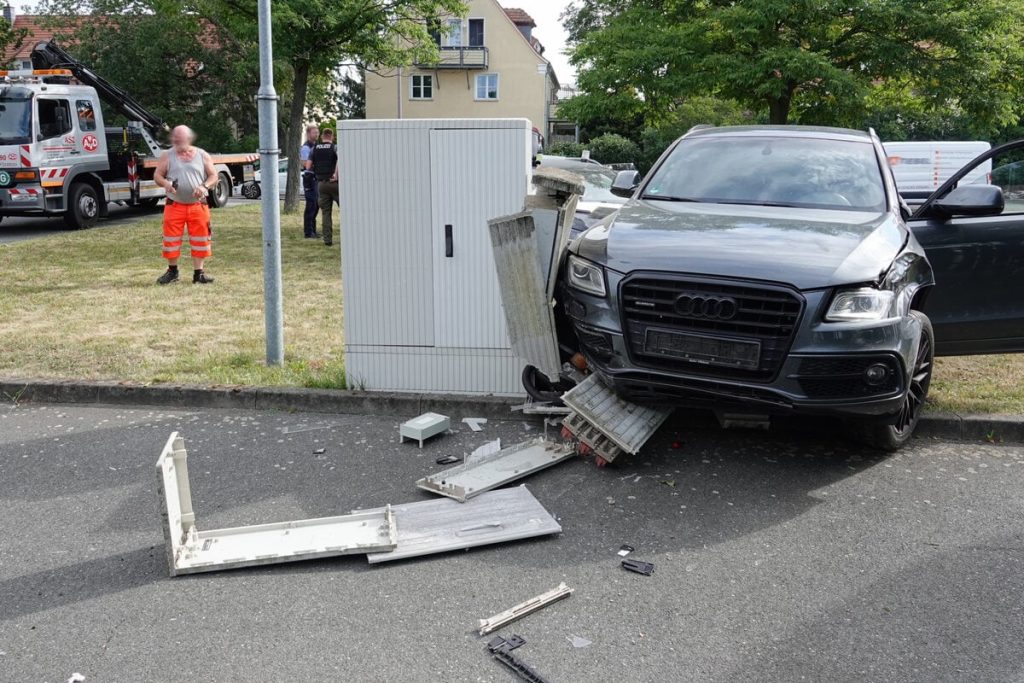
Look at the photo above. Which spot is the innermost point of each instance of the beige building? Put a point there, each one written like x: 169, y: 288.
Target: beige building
x: 491, y: 66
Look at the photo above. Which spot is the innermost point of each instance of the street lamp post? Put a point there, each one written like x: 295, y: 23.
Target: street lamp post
x: 269, y: 153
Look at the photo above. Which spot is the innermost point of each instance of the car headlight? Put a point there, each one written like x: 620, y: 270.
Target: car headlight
x: 586, y: 276
x: 861, y: 304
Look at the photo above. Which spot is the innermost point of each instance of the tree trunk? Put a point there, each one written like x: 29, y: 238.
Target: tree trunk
x: 294, y: 138
x: 779, y: 110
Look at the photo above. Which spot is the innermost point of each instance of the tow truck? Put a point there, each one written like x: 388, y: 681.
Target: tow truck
x: 58, y: 159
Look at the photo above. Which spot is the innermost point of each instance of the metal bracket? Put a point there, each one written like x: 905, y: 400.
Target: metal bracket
x: 522, y: 609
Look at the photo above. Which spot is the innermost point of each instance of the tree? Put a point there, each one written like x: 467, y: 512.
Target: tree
x: 181, y: 68
x: 817, y: 59
x: 11, y: 39
x: 313, y: 38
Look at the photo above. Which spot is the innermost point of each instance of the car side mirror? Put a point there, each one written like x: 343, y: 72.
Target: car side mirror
x: 625, y: 183
x: 971, y: 200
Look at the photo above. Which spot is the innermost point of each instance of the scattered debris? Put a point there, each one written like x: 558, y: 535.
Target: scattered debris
x: 320, y: 451
x: 190, y: 550
x: 671, y: 483
x: 532, y: 407
x: 626, y: 425
x: 522, y: 609
x: 423, y: 427
x: 501, y: 650
x: 486, y: 472
x: 487, y: 449
x: 578, y: 642
x: 76, y: 678
x: 442, y: 525
x: 645, y: 568
x: 676, y: 445
x: 625, y: 550
x: 475, y: 423
x: 448, y: 460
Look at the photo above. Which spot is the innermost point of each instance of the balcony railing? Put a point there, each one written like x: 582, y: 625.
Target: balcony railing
x: 459, y: 57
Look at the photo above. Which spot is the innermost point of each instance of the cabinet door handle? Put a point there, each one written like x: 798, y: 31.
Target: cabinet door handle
x: 449, y: 248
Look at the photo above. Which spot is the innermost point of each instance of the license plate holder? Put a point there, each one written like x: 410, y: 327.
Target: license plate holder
x: 707, y: 350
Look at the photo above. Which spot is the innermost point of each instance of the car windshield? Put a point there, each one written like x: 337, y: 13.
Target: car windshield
x: 772, y: 171
x: 597, y: 186
x: 15, y: 117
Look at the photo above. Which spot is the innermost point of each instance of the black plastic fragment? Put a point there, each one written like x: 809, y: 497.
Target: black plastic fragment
x: 448, y: 460
x: 645, y: 568
x: 501, y: 649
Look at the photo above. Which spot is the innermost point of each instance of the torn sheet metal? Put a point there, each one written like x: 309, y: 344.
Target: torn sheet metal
x: 443, y: 525
x: 528, y: 314
x: 626, y: 424
x: 486, y: 472
x: 522, y: 609
x: 532, y: 407
x: 475, y: 424
x: 190, y: 550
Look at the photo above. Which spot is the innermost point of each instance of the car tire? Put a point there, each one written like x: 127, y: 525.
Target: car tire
x: 220, y: 194
x: 83, y: 209
x: 251, y: 190
x: 892, y: 437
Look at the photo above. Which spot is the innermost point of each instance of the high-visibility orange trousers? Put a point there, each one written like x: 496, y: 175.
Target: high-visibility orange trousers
x: 195, y: 218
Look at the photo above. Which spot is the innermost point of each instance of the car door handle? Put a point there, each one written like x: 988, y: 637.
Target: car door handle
x: 449, y: 247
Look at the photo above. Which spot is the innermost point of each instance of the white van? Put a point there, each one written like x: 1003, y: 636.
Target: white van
x: 921, y: 167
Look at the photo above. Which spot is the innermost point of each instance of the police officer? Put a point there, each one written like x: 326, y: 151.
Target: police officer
x: 324, y: 164
x: 309, y: 183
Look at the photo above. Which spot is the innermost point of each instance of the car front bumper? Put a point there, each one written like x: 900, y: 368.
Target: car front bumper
x: 823, y: 370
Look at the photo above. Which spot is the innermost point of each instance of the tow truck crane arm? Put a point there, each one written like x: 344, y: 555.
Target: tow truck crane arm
x: 49, y: 55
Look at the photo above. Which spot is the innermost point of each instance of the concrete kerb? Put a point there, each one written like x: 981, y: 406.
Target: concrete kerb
x: 1007, y: 429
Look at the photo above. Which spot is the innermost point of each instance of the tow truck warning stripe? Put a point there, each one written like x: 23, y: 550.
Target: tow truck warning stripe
x: 25, y: 153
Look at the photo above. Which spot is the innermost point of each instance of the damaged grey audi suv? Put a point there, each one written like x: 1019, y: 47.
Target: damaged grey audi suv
x: 776, y: 270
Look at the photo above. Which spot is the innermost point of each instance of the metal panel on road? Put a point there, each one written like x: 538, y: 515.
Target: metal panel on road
x: 437, y: 526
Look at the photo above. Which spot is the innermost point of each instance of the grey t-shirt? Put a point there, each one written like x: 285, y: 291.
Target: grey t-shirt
x: 188, y: 174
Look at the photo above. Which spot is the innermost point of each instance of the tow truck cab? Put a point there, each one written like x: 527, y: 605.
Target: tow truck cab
x: 53, y: 147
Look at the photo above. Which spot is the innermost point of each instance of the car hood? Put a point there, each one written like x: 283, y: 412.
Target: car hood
x: 806, y: 248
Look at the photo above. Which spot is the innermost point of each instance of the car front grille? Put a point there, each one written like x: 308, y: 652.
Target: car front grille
x: 683, y: 324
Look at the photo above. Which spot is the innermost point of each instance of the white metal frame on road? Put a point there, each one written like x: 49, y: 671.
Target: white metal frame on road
x: 190, y: 550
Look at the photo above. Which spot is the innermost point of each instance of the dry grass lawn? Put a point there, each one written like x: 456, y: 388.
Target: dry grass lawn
x: 85, y: 305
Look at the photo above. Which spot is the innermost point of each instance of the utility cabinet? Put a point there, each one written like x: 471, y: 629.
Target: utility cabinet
x: 422, y: 304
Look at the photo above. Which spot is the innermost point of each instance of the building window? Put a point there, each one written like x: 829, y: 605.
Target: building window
x: 476, y: 32
x: 422, y: 87
x: 487, y: 87
x: 26, y: 64
x: 454, y: 37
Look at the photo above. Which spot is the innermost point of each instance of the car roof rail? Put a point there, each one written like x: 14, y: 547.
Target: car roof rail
x: 700, y: 126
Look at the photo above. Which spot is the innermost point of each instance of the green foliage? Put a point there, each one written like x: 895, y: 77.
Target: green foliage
x: 352, y: 99
x: 180, y: 68
x: 11, y: 39
x: 613, y: 149
x: 815, y: 61
x: 695, y: 111
x: 566, y: 149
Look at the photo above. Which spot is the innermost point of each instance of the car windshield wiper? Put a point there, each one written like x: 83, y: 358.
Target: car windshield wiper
x: 669, y: 198
x: 742, y: 202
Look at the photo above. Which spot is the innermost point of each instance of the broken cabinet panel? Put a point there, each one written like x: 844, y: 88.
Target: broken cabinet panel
x: 443, y: 525
x: 626, y: 424
x: 486, y: 472
x: 190, y: 550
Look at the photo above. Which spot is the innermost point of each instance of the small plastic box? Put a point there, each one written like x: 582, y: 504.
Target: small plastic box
x: 423, y: 427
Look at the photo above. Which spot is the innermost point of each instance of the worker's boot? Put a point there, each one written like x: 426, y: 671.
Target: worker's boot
x: 200, y: 277
x: 169, y: 276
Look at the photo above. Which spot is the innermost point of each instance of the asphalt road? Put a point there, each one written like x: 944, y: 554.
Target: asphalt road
x: 779, y: 557
x: 14, y: 229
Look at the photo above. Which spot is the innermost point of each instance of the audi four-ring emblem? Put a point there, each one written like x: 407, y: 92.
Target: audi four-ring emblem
x: 706, y: 306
